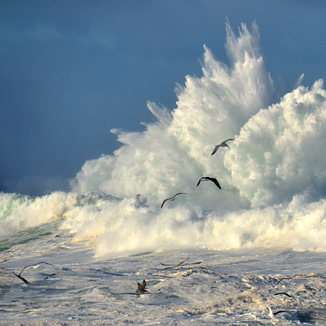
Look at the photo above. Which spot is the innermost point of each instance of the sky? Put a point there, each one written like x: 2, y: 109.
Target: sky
x: 73, y: 70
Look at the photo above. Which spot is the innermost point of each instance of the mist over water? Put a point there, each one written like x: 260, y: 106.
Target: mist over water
x: 272, y: 176
x: 174, y: 153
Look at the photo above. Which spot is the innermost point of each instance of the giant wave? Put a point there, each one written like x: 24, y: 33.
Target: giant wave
x: 272, y: 176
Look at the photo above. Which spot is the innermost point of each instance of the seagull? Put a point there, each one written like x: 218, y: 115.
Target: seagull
x: 285, y: 293
x: 209, y: 179
x: 35, y: 266
x: 180, y: 264
x: 142, y: 287
x: 223, y: 144
x: 173, y: 198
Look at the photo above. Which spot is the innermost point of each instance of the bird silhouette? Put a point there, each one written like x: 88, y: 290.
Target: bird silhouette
x: 33, y: 265
x: 142, y: 287
x: 222, y: 144
x: 173, y: 197
x: 209, y: 179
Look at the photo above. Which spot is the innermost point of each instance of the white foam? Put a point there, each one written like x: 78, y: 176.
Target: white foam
x: 278, y: 153
x: 21, y: 212
x: 272, y: 176
x: 172, y: 154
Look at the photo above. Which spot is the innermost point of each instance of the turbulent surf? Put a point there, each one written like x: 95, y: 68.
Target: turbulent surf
x: 272, y: 178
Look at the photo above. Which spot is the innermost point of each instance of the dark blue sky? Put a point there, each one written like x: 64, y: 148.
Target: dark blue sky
x: 72, y: 70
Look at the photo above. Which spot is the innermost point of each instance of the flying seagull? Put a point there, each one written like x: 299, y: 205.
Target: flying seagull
x: 209, y: 179
x: 180, y: 264
x: 173, y: 198
x: 223, y: 144
x: 33, y: 265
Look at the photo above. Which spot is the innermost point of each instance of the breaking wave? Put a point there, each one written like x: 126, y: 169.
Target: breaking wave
x: 272, y: 176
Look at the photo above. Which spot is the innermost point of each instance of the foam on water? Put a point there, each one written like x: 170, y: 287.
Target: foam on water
x: 272, y: 176
x: 272, y: 201
x: 20, y: 212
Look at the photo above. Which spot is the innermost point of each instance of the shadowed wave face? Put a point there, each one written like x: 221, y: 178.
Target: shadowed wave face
x: 273, y: 175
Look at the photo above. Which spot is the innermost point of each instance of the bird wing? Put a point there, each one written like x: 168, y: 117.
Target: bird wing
x: 22, y: 278
x: 199, y: 182
x: 215, y: 149
x: 216, y: 182
x: 175, y: 265
x: 35, y: 265
x: 141, y: 287
x: 164, y: 201
x: 180, y: 193
x: 227, y: 141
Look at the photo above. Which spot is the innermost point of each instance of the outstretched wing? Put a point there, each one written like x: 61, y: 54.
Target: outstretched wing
x: 180, y: 193
x: 22, y: 278
x: 215, y: 149
x: 164, y: 201
x: 199, y: 181
x: 141, y: 287
x: 35, y: 265
x: 225, y: 142
x: 175, y: 265
x: 216, y: 182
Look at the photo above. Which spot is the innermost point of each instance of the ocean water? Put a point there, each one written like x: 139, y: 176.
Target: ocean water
x: 250, y: 253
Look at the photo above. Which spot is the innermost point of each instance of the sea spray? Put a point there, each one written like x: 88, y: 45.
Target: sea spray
x: 173, y: 153
x: 124, y: 227
x: 272, y: 176
x: 278, y: 152
x: 18, y: 212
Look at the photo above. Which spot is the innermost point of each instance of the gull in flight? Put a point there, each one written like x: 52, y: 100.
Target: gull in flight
x: 223, y: 144
x: 209, y: 179
x: 180, y: 265
x: 173, y: 198
x: 35, y: 266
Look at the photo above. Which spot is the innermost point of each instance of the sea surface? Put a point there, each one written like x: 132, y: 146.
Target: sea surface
x: 250, y: 253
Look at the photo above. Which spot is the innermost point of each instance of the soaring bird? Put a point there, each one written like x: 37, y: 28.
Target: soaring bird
x: 33, y: 265
x: 223, y: 144
x: 173, y: 198
x: 209, y: 179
